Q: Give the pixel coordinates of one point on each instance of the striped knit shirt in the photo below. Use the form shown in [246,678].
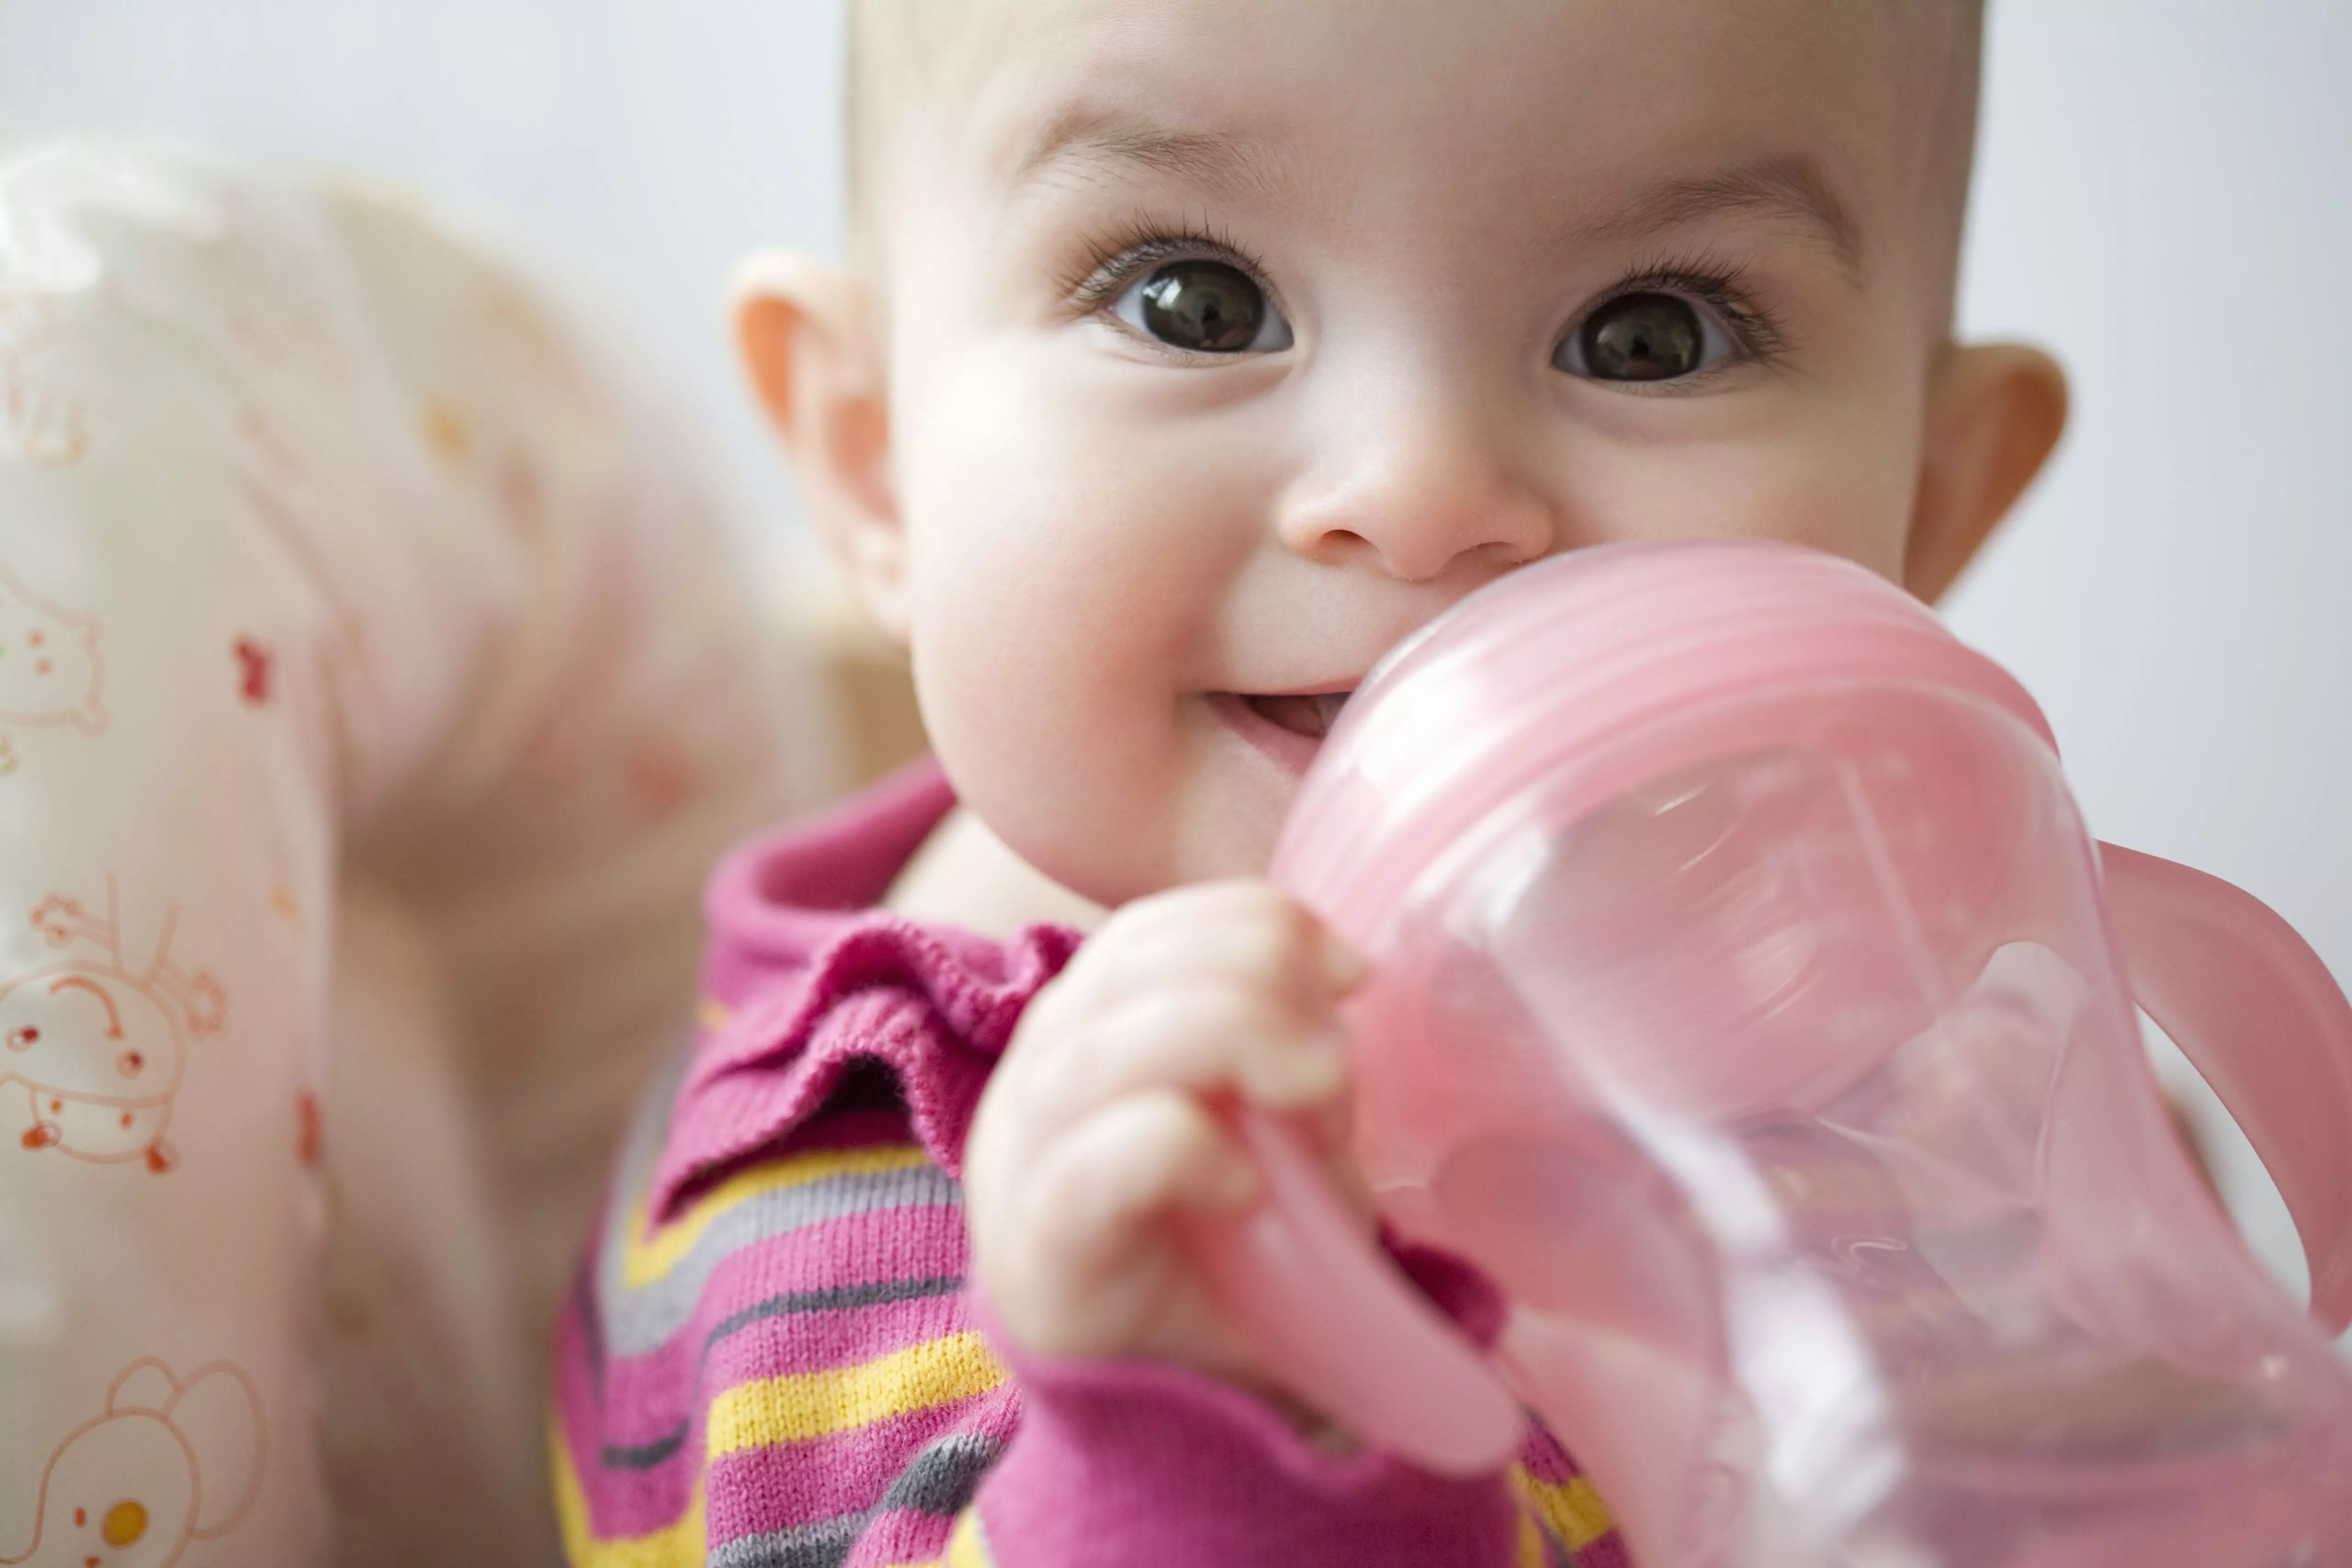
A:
[770,1358]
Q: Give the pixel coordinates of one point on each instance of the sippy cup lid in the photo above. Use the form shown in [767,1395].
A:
[1549,664]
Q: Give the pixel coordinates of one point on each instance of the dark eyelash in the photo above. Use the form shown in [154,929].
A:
[1114,257]
[1719,284]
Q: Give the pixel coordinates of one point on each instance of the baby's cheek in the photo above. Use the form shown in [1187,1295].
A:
[1826,493]
[1848,509]
[1050,637]
[1041,738]
[1850,488]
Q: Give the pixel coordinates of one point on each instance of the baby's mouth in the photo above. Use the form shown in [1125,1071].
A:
[1310,714]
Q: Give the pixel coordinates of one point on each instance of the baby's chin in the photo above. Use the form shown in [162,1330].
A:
[1216,829]
[1227,822]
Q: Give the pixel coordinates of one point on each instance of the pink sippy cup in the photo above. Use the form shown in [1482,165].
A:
[1749,1004]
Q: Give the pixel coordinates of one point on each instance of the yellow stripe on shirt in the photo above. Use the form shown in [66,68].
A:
[1572,1510]
[968,1547]
[647,1258]
[1530,1552]
[799,1406]
[679,1544]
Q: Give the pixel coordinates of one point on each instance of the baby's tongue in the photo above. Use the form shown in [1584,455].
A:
[1311,716]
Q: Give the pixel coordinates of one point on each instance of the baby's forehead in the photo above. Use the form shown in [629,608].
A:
[1534,90]
[948,51]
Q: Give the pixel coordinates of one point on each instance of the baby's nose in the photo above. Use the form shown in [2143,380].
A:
[1427,487]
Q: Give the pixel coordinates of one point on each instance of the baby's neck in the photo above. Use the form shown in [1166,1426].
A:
[966,876]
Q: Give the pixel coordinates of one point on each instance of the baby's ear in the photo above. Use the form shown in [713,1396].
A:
[1994,412]
[811,338]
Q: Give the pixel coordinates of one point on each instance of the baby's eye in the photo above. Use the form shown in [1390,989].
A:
[1203,307]
[1647,336]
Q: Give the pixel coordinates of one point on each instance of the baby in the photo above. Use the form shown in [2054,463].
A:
[1194,352]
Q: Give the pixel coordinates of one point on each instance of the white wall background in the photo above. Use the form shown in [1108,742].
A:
[2164,197]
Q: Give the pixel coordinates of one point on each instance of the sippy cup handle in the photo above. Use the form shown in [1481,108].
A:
[2248,1001]
[1348,1331]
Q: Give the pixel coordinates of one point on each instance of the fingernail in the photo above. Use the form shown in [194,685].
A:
[1228,1186]
[1341,963]
[1314,1069]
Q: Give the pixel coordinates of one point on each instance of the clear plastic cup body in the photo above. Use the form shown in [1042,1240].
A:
[1774,1059]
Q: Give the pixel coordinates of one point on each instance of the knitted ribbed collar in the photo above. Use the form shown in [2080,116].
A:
[806,978]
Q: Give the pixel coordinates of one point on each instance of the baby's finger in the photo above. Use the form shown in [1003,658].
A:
[1207,1039]
[1133,1160]
[1241,930]
[1242,935]
[1072,1270]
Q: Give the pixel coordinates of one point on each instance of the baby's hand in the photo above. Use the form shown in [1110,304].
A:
[1099,1129]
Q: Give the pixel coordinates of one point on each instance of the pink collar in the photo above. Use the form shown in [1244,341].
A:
[807,978]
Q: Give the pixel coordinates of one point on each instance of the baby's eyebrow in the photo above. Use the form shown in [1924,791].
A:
[1086,141]
[1089,141]
[1791,189]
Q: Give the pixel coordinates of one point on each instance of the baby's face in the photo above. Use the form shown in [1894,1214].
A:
[1230,341]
